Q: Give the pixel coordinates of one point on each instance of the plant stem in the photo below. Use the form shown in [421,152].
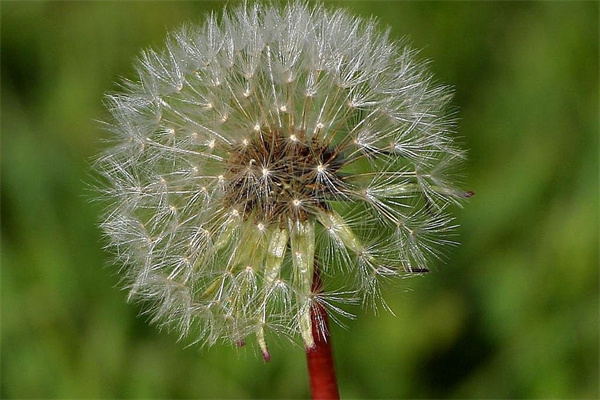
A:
[323,382]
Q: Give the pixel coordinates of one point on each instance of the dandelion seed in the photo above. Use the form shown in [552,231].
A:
[315,143]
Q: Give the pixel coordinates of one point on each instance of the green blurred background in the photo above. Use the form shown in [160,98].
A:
[514,313]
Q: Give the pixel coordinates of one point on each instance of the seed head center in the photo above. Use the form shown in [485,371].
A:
[275,175]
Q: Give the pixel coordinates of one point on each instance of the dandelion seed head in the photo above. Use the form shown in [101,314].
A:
[267,144]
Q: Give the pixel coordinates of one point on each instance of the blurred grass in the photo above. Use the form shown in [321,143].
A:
[513,314]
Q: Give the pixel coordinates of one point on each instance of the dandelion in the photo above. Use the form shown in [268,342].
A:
[272,165]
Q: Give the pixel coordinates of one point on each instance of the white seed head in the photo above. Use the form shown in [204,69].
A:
[256,150]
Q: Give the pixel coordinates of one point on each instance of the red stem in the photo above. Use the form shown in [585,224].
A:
[323,383]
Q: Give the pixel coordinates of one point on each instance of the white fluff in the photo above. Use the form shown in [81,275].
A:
[265,144]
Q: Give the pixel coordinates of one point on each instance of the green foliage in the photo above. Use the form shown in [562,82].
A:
[514,313]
